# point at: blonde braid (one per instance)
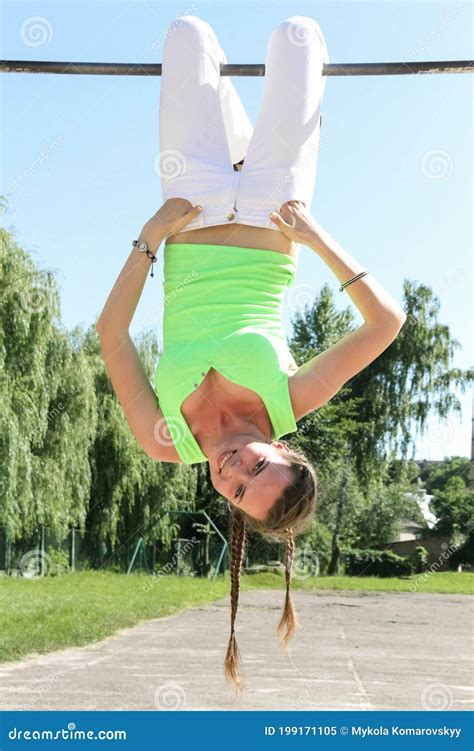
(289, 622)
(237, 553)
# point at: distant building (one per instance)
(409, 530)
(439, 547)
(423, 500)
(412, 534)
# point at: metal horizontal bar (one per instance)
(154, 69)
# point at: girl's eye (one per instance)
(240, 488)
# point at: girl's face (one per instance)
(253, 476)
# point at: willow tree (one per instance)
(132, 496)
(47, 405)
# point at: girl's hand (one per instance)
(295, 221)
(175, 214)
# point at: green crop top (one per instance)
(222, 309)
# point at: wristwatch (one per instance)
(142, 246)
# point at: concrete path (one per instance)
(354, 651)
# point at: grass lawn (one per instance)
(50, 613)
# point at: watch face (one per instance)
(141, 245)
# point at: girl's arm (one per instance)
(129, 380)
(321, 377)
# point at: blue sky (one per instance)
(394, 182)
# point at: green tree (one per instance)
(47, 409)
(412, 377)
(436, 475)
(385, 505)
(132, 495)
(453, 502)
(375, 415)
(454, 507)
(324, 433)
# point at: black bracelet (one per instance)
(352, 279)
(137, 243)
(153, 260)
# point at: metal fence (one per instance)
(48, 554)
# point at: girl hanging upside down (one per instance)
(235, 209)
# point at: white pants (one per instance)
(204, 128)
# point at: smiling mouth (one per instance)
(224, 458)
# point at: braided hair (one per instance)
(289, 621)
(291, 514)
(237, 555)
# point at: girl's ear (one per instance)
(280, 445)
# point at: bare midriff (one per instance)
(240, 235)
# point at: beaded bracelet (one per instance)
(153, 260)
(142, 246)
